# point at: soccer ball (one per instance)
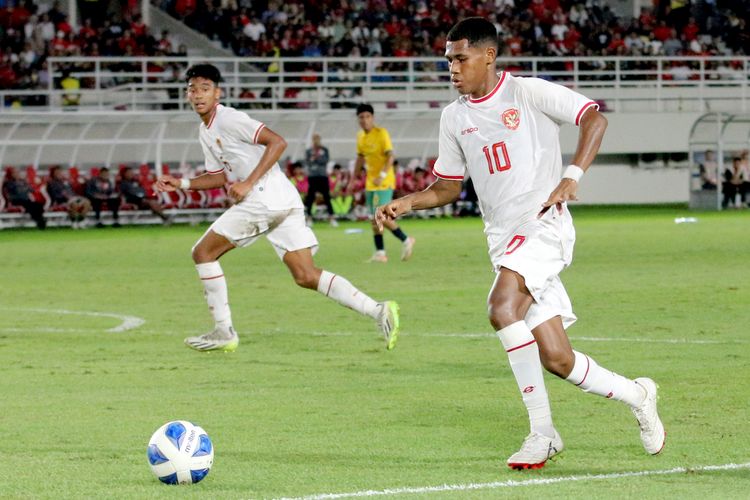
(180, 453)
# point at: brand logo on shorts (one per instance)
(610, 395)
(528, 389)
(511, 118)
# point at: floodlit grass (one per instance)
(312, 403)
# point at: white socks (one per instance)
(523, 354)
(591, 377)
(339, 289)
(215, 291)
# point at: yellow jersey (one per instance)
(373, 146)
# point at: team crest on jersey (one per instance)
(511, 118)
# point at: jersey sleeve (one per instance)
(243, 128)
(360, 149)
(451, 163)
(559, 103)
(212, 164)
(385, 140)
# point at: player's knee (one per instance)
(199, 255)
(306, 279)
(558, 361)
(502, 314)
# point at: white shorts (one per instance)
(539, 250)
(244, 223)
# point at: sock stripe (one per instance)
(520, 346)
(588, 365)
(213, 277)
(330, 284)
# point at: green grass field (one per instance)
(311, 403)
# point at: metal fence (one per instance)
(621, 84)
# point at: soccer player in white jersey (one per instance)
(244, 152)
(503, 132)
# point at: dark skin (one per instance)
(473, 73)
(204, 96)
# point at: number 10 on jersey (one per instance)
(494, 160)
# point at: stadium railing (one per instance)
(622, 84)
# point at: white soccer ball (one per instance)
(180, 453)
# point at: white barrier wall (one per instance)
(85, 140)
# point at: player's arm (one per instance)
(389, 159)
(590, 134)
(439, 193)
(203, 181)
(359, 164)
(275, 146)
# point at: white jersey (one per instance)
(230, 145)
(509, 142)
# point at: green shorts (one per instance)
(377, 198)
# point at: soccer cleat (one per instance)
(653, 435)
(535, 451)
(407, 248)
(388, 322)
(334, 222)
(216, 340)
(379, 256)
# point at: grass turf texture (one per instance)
(312, 403)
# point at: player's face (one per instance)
(366, 120)
(203, 95)
(469, 66)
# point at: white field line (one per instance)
(512, 483)
(138, 321)
(127, 322)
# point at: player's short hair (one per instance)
(477, 30)
(207, 71)
(365, 108)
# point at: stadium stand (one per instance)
(681, 62)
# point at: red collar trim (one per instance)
(493, 92)
(211, 121)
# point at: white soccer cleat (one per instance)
(217, 340)
(389, 323)
(378, 256)
(535, 451)
(653, 435)
(407, 248)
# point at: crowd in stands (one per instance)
(404, 28)
(31, 31)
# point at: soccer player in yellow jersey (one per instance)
(375, 153)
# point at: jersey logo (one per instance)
(469, 130)
(511, 118)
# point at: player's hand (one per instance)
(391, 211)
(167, 183)
(564, 192)
(239, 190)
(377, 181)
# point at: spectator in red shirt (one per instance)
(691, 30)
(662, 31)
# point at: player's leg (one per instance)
(373, 200)
(582, 371)
(295, 243)
(407, 242)
(206, 254)
(508, 302)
